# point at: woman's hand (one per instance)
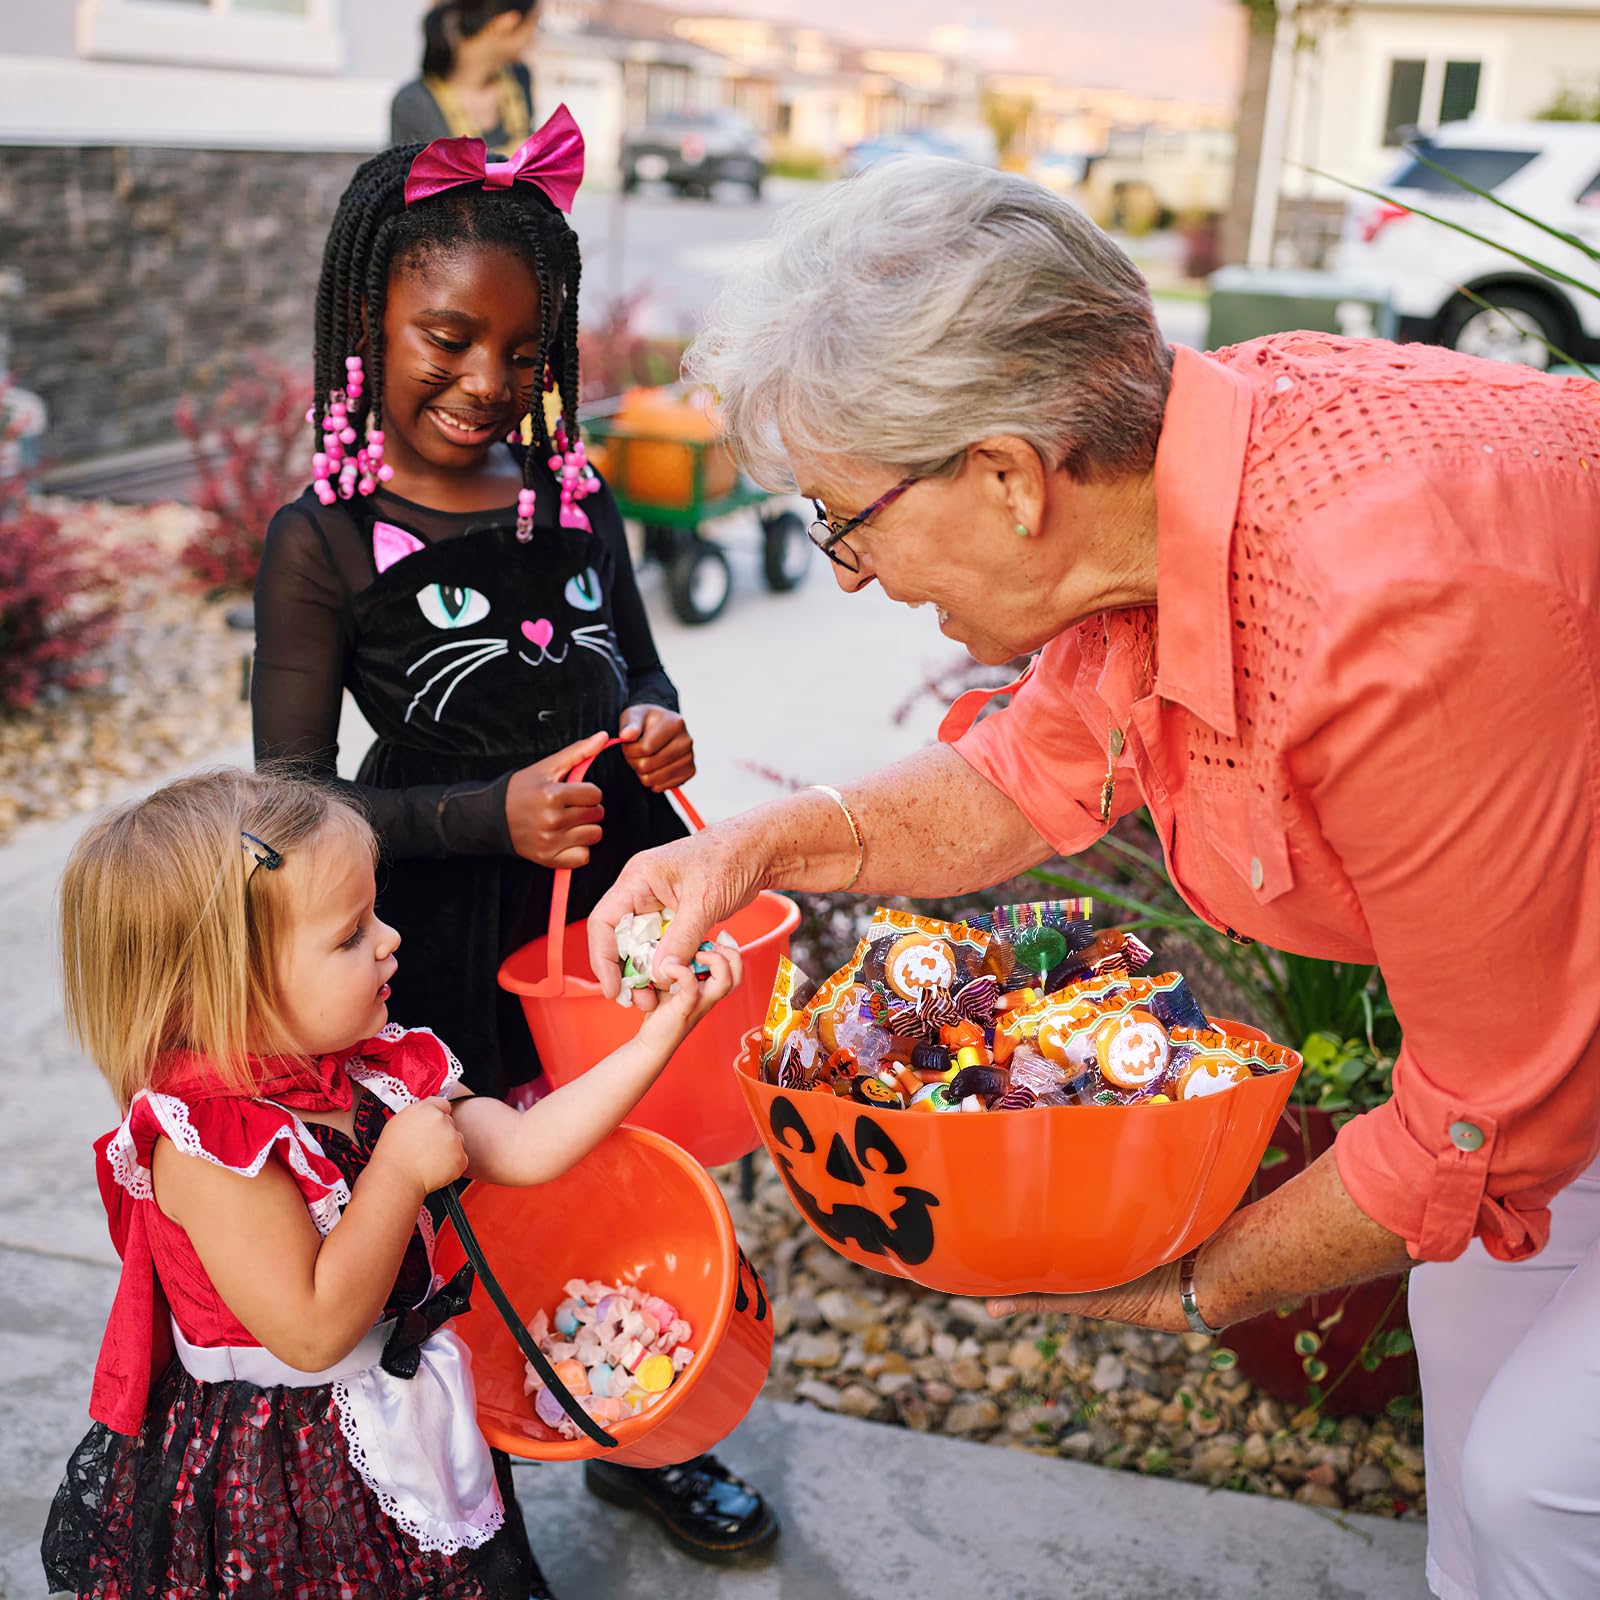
(423, 1142)
(702, 880)
(658, 747)
(553, 823)
(1148, 1302)
(691, 997)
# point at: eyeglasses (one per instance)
(829, 536)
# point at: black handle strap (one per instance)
(451, 1196)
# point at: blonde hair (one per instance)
(171, 928)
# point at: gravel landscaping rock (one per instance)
(170, 679)
(871, 1346)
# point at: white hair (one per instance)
(902, 315)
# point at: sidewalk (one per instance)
(869, 1511)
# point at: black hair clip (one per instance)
(265, 855)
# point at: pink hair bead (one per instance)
(385, 473)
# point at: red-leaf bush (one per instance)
(614, 355)
(55, 607)
(252, 452)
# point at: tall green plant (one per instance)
(1555, 274)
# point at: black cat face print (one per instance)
(544, 616)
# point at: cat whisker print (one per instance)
(468, 645)
(457, 671)
(599, 638)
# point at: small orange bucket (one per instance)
(636, 1210)
(1055, 1199)
(694, 1102)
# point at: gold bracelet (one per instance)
(855, 832)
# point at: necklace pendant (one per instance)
(1108, 791)
(1115, 743)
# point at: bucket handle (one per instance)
(451, 1196)
(561, 887)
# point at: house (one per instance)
(1336, 85)
(167, 174)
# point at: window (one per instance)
(1486, 169)
(1405, 100)
(301, 36)
(1460, 97)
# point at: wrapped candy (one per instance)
(1034, 946)
(1023, 1007)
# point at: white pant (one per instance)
(1510, 1357)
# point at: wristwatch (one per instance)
(1186, 1294)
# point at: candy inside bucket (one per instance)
(637, 1210)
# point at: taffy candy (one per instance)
(638, 938)
(615, 1347)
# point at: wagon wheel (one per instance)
(786, 551)
(699, 581)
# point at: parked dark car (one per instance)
(692, 150)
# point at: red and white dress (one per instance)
(213, 1468)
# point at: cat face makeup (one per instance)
(461, 340)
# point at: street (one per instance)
(674, 253)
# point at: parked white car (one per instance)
(1551, 170)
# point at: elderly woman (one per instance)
(1331, 610)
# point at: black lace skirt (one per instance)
(235, 1491)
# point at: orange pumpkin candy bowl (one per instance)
(1054, 1200)
(641, 1210)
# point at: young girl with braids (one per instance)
(280, 1408)
(476, 597)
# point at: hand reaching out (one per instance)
(691, 996)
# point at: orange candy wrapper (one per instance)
(919, 1018)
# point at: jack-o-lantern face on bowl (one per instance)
(856, 1209)
(1054, 1199)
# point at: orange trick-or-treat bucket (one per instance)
(1058, 1200)
(636, 1210)
(695, 1102)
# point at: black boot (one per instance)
(701, 1506)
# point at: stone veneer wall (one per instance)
(147, 274)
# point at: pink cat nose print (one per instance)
(539, 634)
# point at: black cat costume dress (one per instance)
(471, 654)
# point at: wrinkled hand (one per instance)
(691, 997)
(702, 880)
(423, 1142)
(1148, 1302)
(658, 747)
(551, 822)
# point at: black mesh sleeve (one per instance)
(303, 644)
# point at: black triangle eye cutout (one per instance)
(840, 1165)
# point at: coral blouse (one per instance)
(1373, 734)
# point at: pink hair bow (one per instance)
(551, 160)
